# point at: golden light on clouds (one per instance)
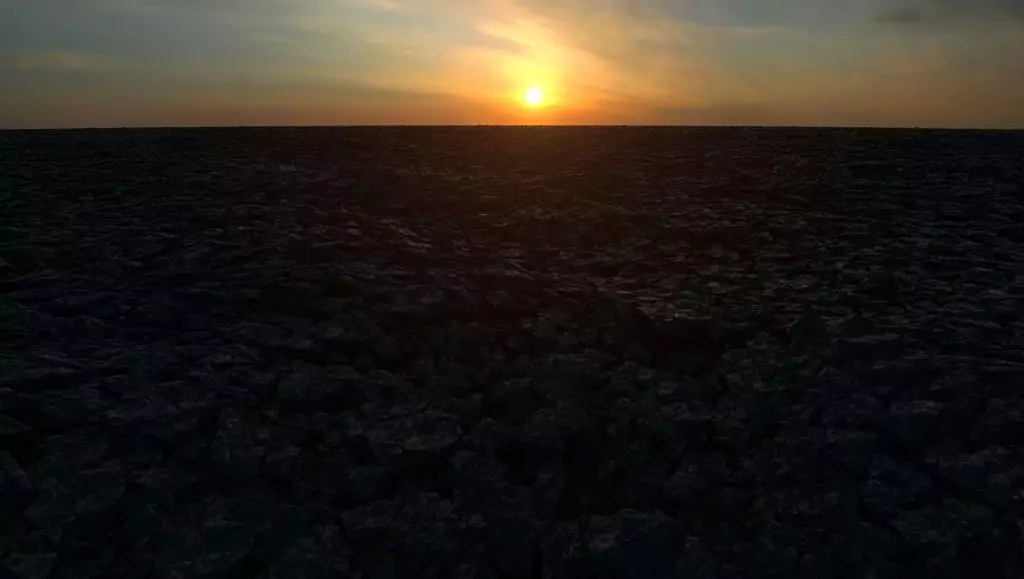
(474, 61)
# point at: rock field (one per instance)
(519, 353)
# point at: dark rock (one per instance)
(894, 486)
(968, 472)
(281, 463)
(621, 387)
(233, 446)
(881, 347)
(473, 571)
(489, 435)
(69, 453)
(449, 386)
(387, 349)
(912, 423)
(363, 363)
(480, 484)
(98, 489)
(416, 439)
(72, 407)
(688, 486)
(214, 547)
(543, 431)
(9, 426)
(374, 523)
(329, 428)
(521, 366)
(733, 501)
(302, 347)
(634, 544)
(26, 377)
(316, 386)
(682, 344)
(473, 469)
(469, 411)
(16, 402)
(733, 428)
(680, 418)
(75, 494)
(1002, 422)
(297, 429)
(228, 356)
(213, 537)
(565, 551)
(510, 542)
(510, 500)
(706, 388)
(242, 384)
(774, 558)
(547, 492)
(807, 330)
(432, 539)
(501, 301)
(320, 555)
(14, 484)
(143, 511)
(331, 335)
(853, 450)
(364, 483)
(696, 561)
(288, 522)
(324, 477)
(170, 347)
(155, 412)
(513, 401)
(937, 528)
(30, 566)
(25, 540)
(262, 335)
(385, 568)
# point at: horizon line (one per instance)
(508, 126)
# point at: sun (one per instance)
(534, 97)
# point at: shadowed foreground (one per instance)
(511, 353)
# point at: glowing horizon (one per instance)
(300, 62)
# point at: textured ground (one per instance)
(511, 353)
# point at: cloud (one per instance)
(617, 49)
(901, 16)
(390, 5)
(52, 61)
(939, 11)
(221, 106)
(631, 61)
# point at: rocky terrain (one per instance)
(511, 353)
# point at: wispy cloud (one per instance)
(902, 15)
(924, 11)
(589, 53)
(53, 61)
(721, 61)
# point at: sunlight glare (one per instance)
(534, 97)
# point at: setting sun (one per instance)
(534, 97)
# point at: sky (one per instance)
(926, 63)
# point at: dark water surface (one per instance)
(511, 352)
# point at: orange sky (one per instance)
(279, 62)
